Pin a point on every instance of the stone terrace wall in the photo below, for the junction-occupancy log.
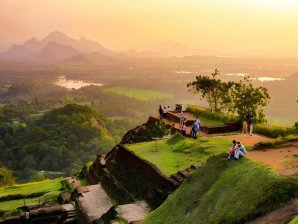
(222, 128)
(141, 178)
(127, 177)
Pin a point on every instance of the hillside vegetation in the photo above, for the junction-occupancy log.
(61, 140)
(225, 192)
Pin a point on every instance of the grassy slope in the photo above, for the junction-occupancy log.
(225, 192)
(171, 158)
(140, 94)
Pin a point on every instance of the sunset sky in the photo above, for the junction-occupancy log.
(231, 27)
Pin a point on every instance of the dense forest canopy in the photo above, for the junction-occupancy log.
(61, 140)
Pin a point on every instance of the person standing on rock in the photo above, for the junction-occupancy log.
(184, 129)
(160, 111)
(181, 119)
(198, 122)
(250, 122)
(195, 129)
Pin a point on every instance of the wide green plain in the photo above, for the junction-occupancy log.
(170, 158)
(140, 94)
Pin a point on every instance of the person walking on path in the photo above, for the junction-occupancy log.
(181, 119)
(250, 122)
(244, 126)
(160, 111)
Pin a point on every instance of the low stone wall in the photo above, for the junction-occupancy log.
(222, 128)
(44, 215)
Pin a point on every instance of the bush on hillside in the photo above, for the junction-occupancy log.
(274, 131)
(175, 138)
(211, 115)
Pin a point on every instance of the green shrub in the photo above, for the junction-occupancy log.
(197, 111)
(180, 146)
(175, 138)
(274, 131)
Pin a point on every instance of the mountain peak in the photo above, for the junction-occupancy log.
(56, 34)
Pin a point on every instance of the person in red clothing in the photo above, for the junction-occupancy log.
(232, 150)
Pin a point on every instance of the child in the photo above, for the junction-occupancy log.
(244, 127)
(169, 109)
(184, 129)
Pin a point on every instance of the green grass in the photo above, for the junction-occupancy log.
(170, 158)
(212, 116)
(209, 121)
(294, 220)
(14, 204)
(32, 187)
(140, 94)
(225, 192)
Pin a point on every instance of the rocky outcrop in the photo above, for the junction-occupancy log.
(126, 177)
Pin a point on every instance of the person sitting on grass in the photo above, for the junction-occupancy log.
(236, 151)
(231, 152)
(242, 149)
(184, 129)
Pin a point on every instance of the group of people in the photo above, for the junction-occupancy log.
(163, 111)
(195, 126)
(236, 151)
(248, 122)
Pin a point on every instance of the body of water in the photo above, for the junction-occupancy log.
(261, 79)
(74, 84)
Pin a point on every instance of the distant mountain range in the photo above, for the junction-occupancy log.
(56, 46)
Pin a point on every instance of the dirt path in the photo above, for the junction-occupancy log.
(283, 160)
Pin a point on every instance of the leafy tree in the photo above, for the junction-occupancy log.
(249, 100)
(158, 129)
(6, 177)
(213, 90)
(241, 97)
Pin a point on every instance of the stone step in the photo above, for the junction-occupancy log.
(183, 173)
(93, 204)
(70, 221)
(196, 166)
(177, 177)
(134, 212)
